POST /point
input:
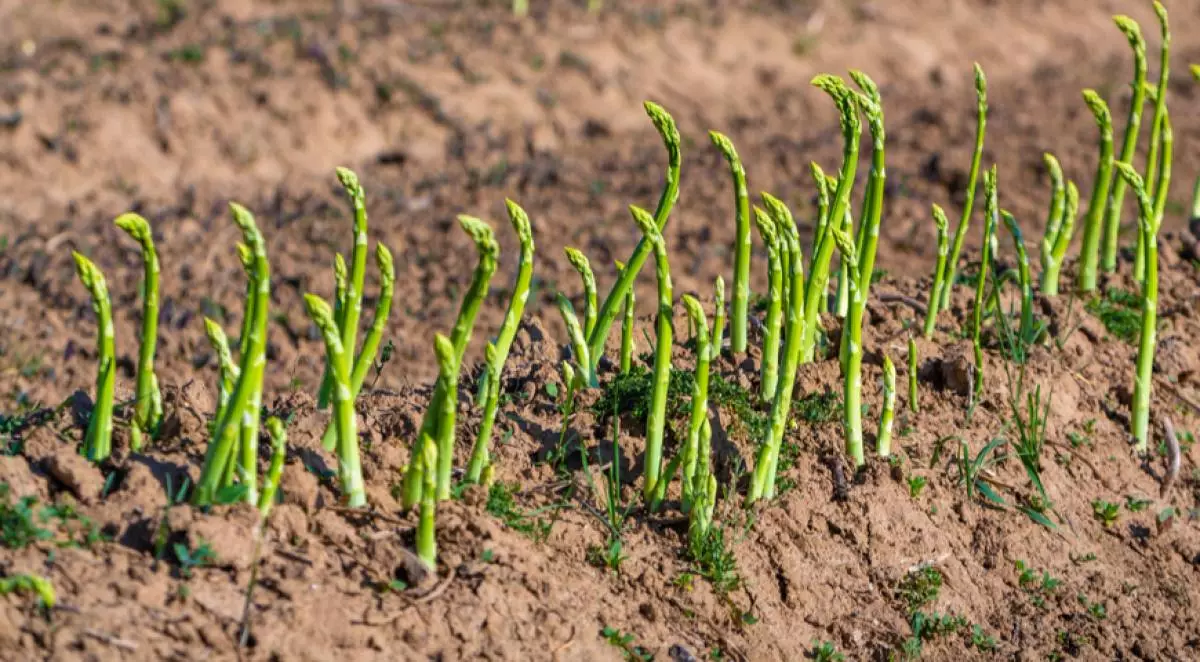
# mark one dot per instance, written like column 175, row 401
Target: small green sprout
column 278, row 434
column 920, row 587
column 35, row 584
column 148, row 411
column 916, row 484
column 1060, row 226
column 1105, row 512
column 884, row 438
column 581, row 264
column 428, row 461
column 914, row 401
column 97, row 444
column 825, row 651
column 939, row 271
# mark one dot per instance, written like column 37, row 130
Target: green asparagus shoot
column 960, row 234
column 341, row 278
column 762, row 483
column 580, row 262
column 656, row 418
column 665, row 125
column 494, row 368
column 448, row 367
column 228, row 371
column 774, row 319
column 914, row 402
column 1027, row 333
column 1054, row 246
column 578, row 341
column 1112, row 219
column 852, row 363
column 427, row 464
column 233, row 449
column 699, row 413
column 1089, row 253
column 148, row 411
column 718, row 330
column 1159, row 97
column 939, row 271
column 884, row 438
column 349, row 467
column 991, row 214
column 627, row 320
column 35, row 584
column 741, row 268
column 370, row 347
column 97, row 444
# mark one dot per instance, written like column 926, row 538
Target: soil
column 174, row 108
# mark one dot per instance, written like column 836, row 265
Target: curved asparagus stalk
column 1112, row 219
column 824, row 187
column 370, row 347
column 97, row 444
column 349, row 467
column 485, row 243
column 991, row 213
column 352, row 308
column 914, row 401
column 581, row 264
column 960, row 234
column 341, row 279
column 246, row 258
column 1089, row 253
column 762, row 483
column 884, row 437
column 818, row 276
column 1054, row 217
column 770, row 351
column 852, row 362
column 699, row 413
column 656, row 418
column 227, row 370
column 278, row 436
column 741, row 264
column 241, row 416
column 508, row 330
column 665, row 124
column 148, row 411
column 868, row 230
column 939, row 271
column 718, row 330
column 1062, row 240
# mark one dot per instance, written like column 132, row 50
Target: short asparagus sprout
column 704, row 492
column 656, row 417
column 1149, row 222
column 235, row 437
column 939, row 271
column 1024, row 279
column 341, row 279
column 35, row 584
column 774, row 319
column 97, row 444
column 960, row 234
column 914, row 401
column 699, row 413
column 581, row 264
column 1093, row 225
column 1159, row 97
column 741, row 264
column 349, row 467
column 578, row 341
column 991, row 214
column 627, row 320
column 227, row 370
column 762, row 483
column 884, row 437
column 1112, row 219
column 1054, row 246
column 494, row 367
column 485, row 244
column 818, row 276
column 278, row 434
column 148, row 411
column 427, row 464
column 824, row 187
column 665, row 124
column 370, row 347
column 718, row 330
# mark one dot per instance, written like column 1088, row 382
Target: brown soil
column 446, row 108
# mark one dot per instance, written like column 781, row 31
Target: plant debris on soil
column 172, row 108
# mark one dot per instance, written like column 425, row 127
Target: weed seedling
column 624, row 642
column 915, row 485
column 920, row 588
column 1105, row 512
column 190, row 559
column 825, row 651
